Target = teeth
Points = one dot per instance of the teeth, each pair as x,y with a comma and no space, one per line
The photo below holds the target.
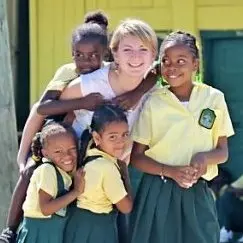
67,162
132,65
173,76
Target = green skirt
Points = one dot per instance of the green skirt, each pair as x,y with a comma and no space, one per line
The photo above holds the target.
166,213
86,227
49,230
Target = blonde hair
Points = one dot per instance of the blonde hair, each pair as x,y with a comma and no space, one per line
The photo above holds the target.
134,27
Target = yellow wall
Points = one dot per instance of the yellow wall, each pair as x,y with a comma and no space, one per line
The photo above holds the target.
52,21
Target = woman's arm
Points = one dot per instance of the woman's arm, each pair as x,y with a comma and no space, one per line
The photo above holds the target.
32,126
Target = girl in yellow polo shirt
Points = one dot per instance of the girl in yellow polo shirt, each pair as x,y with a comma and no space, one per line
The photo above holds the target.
180,138
48,195
106,180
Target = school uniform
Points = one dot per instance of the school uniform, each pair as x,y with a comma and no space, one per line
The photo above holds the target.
63,76
36,227
174,132
94,218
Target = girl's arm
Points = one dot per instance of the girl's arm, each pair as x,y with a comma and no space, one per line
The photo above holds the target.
32,126
49,205
183,175
131,98
71,99
126,204
216,156
115,189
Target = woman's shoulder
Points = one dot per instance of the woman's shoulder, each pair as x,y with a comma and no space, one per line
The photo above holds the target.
99,74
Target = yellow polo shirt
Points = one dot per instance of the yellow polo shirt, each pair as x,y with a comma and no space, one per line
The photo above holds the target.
63,76
103,184
45,178
172,131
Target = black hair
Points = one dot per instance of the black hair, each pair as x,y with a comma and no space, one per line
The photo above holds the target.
181,38
103,115
97,17
90,32
49,129
109,57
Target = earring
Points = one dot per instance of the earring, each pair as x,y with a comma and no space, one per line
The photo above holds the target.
116,66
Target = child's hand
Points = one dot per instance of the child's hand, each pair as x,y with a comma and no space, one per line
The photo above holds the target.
199,162
79,181
183,175
154,72
127,100
92,101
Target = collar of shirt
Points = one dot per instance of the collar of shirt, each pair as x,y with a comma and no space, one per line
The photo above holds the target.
95,151
45,160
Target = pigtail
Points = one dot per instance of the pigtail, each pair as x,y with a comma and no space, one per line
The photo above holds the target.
84,143
36,148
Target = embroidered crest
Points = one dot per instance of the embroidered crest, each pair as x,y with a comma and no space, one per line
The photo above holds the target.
207,118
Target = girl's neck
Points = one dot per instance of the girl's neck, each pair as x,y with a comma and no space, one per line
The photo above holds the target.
122,83
183,92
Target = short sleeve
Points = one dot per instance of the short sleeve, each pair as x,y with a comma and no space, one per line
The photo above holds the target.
142,129
63,76
47,180
113,184
225,127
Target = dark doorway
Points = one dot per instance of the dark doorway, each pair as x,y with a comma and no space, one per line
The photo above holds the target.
22,93
223,69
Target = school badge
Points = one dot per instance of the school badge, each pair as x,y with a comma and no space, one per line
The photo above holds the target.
207,118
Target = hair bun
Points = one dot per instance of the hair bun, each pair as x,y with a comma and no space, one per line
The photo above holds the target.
97,17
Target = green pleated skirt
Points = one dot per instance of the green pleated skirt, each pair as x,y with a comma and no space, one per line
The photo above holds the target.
86,227
49,230
166,213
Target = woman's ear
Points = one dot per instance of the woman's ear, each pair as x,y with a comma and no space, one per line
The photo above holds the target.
115,56
96,138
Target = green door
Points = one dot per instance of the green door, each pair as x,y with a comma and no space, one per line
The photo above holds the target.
223,67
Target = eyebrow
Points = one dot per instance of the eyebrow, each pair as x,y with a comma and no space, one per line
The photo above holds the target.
127,45
182,56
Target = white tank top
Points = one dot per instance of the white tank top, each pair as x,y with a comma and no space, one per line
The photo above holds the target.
98,82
